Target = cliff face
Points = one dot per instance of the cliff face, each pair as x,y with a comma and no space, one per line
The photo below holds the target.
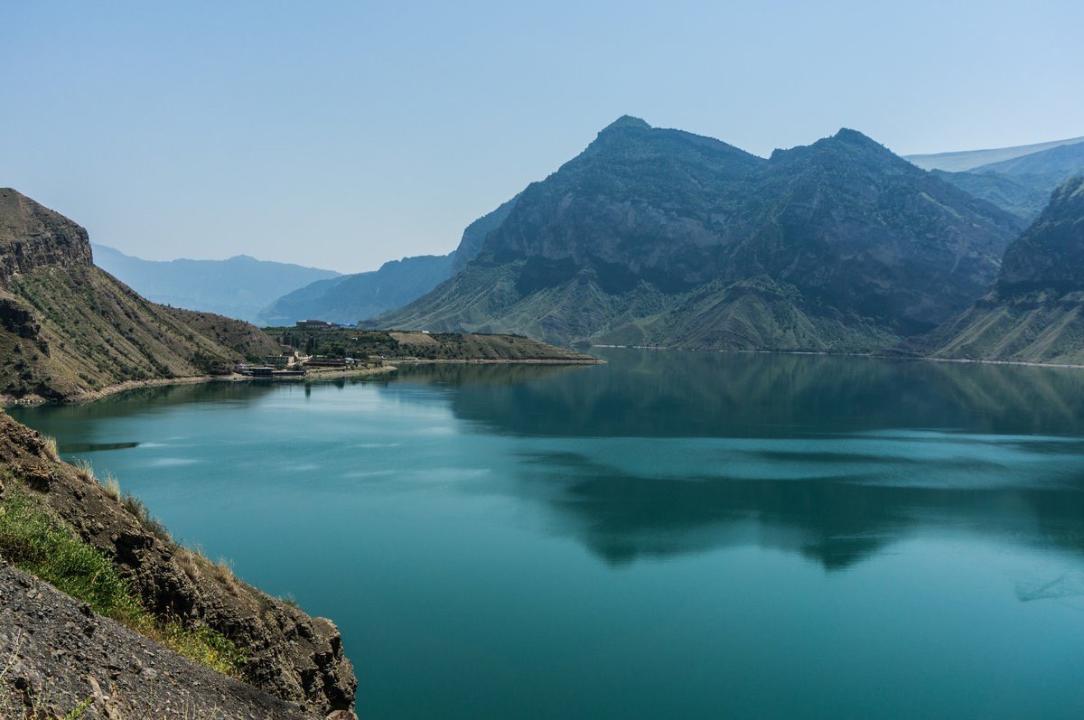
1035,312
663,237
32,236
67,328
290,655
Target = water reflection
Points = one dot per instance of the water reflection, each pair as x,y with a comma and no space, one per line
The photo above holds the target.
832,458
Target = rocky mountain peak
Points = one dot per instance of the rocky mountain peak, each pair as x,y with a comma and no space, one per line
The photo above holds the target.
626,122
32,236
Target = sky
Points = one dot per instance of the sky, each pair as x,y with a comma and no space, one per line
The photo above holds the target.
345,134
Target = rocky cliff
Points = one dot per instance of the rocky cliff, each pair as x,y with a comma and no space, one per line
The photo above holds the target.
654,236
288,655
68,329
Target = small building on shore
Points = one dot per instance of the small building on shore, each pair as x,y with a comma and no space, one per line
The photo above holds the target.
315,325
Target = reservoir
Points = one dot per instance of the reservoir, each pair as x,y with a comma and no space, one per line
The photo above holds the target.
668,535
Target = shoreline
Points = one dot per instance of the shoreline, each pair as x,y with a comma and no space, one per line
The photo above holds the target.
500,361
314,375
877,356
129,385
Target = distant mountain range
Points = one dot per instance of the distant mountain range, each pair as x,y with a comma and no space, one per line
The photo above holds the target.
68,328
662,237
1035,312
964,160
350,298
1017,179
240,287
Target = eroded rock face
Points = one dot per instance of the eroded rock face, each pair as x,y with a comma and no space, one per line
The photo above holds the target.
292,656
18,319
32,236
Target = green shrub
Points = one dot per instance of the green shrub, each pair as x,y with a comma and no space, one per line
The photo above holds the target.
42,545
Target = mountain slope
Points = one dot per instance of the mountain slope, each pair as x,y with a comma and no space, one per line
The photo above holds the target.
351,298
239,287
1035,313
68,328
655,236
964,160
1022,185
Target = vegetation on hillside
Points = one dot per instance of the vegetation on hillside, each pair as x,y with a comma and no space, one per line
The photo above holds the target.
36,541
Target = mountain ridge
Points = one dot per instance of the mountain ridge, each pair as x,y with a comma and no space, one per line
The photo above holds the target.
620,235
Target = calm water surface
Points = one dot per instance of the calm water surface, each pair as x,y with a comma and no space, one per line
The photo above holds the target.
669,535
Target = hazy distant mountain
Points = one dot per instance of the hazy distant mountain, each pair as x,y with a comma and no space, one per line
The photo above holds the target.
655,236
963,160
350,298
1022,185
239,287
1035,312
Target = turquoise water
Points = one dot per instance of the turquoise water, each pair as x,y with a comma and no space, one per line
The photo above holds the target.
669,535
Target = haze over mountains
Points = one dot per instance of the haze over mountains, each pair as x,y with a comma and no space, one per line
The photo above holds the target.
1019,180
239,287
662,237
350,298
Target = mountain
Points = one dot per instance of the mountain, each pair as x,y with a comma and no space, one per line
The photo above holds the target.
1021,183
662,237
239,287
963,160
68,328
350,298
1035,313
1021,198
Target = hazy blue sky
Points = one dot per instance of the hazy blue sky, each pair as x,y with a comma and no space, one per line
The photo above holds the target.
345,134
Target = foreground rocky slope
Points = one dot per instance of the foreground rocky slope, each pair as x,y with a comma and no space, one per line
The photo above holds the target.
662,237
288,654
68,329
45,635
1035,313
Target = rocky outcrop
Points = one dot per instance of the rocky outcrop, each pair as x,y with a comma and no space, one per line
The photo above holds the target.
291,655
33,236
